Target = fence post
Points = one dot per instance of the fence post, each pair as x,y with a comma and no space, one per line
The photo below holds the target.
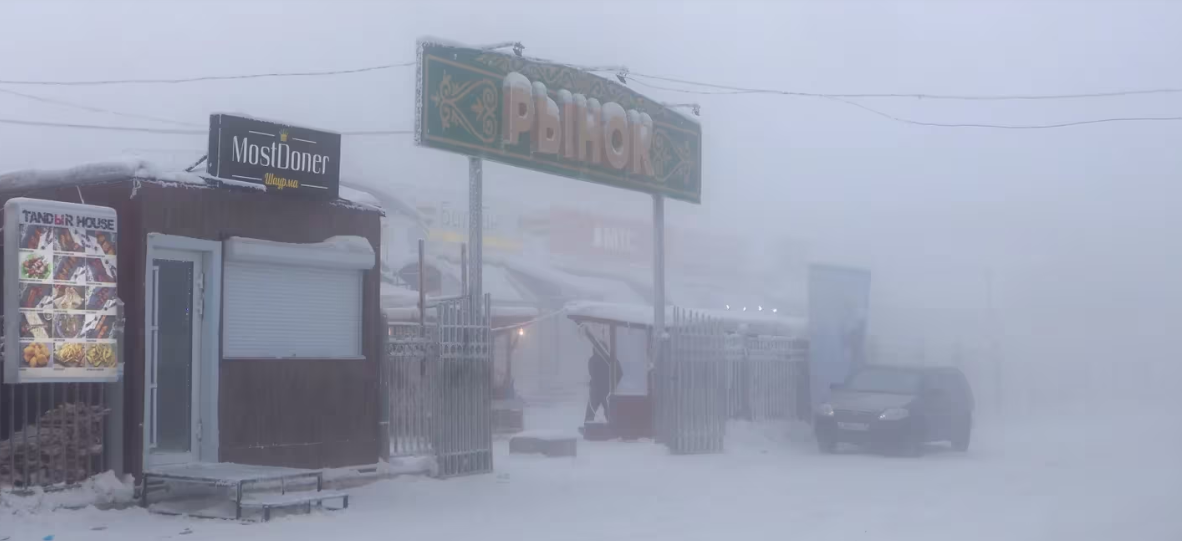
384,383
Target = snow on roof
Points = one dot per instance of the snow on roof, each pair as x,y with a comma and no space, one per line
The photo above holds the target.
394,296
133,167
435,40
359,197
576,287
231,182
639,279
410,312
642,315
380,196
495,280
88,173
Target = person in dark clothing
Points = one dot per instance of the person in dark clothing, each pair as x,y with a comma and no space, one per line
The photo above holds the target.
600,372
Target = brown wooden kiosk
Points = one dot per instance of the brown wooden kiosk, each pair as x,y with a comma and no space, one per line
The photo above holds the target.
252,329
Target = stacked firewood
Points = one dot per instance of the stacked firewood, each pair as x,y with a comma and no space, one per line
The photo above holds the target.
60,447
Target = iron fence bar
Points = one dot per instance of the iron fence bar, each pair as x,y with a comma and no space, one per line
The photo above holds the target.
11,436
25,434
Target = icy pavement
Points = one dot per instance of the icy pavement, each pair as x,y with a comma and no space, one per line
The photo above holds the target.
1075,479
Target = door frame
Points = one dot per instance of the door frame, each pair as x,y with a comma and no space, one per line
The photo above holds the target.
209,254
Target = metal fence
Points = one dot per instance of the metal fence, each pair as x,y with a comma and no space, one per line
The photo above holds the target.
438,385
404,374
769,378
706,376
691,385
51,433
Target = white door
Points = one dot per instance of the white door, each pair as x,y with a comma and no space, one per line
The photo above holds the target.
172,421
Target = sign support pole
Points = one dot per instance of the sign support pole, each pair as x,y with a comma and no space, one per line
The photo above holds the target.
658,336
475,230
658,269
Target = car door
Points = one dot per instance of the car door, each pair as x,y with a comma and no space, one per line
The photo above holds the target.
962,400
938,407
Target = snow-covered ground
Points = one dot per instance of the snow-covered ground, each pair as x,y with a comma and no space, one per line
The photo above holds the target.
1070,479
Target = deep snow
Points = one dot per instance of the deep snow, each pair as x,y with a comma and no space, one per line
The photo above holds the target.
1070,478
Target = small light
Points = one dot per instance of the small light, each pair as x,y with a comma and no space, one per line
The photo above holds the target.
520,332
744,308
760,308
728,307
774,310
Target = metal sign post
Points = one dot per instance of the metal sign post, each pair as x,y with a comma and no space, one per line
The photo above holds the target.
658,271
475,229
659,368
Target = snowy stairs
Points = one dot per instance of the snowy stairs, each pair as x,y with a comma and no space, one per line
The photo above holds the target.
225,490
267,502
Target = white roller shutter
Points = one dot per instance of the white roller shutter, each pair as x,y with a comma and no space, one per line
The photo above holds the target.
290,311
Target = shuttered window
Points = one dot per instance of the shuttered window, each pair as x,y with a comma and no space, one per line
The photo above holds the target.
290,311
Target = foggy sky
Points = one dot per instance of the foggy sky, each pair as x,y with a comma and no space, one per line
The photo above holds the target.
1076,226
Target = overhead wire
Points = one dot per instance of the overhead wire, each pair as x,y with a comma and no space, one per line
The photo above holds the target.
729,89
100,127
93,109
1067,124
623,74
843,98
168,131
726,89
209,77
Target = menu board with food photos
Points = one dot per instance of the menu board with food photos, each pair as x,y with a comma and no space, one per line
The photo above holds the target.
60,301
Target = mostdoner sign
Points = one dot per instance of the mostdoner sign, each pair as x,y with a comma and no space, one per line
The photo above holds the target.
554,119
284,159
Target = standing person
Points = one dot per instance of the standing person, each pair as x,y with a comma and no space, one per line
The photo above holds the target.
600,372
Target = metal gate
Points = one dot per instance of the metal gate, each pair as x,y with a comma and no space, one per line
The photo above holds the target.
705,376
439,389
769,378
407,418
691,378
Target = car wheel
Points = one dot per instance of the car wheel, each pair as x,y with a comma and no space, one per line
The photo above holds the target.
960,442
826,445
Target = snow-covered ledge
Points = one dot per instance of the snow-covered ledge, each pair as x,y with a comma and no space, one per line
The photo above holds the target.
341,252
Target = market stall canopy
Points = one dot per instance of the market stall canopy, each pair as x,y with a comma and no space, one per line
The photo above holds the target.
549,282
642,316
402,304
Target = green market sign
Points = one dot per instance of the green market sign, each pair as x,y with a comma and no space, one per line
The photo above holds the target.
554,119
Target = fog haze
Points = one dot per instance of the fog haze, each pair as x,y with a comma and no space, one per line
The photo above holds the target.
1072,229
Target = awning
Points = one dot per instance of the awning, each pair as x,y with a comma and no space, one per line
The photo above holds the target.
639,315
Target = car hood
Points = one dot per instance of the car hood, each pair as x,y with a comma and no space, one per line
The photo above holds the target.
871,402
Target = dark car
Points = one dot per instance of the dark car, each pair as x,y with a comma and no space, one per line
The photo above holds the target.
898,408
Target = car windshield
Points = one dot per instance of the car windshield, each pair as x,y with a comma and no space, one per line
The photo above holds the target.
884,381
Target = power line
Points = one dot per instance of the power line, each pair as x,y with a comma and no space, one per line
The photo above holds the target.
167,131
1009,126
99,127
625,73
728,89
93,109
841,98
209,77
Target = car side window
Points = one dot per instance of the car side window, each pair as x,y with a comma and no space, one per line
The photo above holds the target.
933,386
953,385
